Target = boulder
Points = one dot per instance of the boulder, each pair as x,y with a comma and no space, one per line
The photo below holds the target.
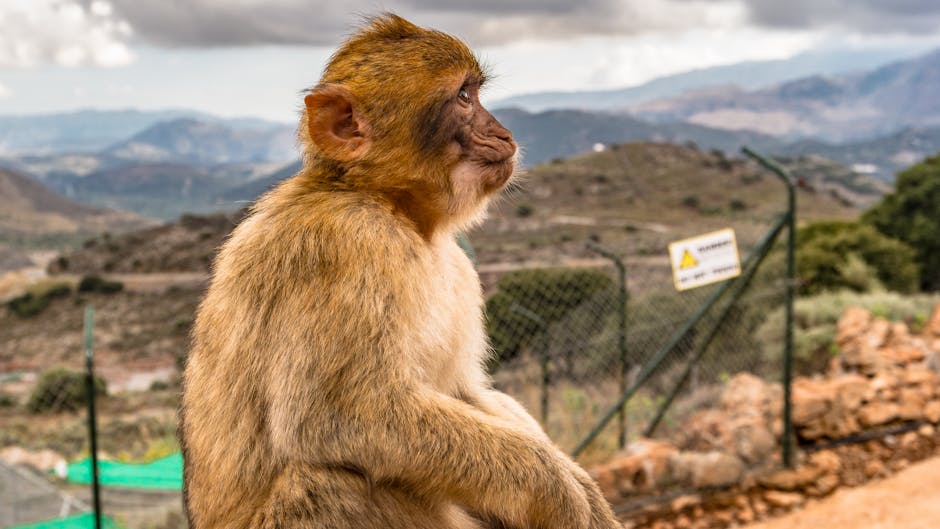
711,469
878,413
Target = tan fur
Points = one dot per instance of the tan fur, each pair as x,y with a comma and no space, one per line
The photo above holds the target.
336,376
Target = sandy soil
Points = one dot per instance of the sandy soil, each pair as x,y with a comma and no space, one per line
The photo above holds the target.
907,500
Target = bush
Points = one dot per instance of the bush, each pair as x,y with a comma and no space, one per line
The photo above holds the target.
7,400
99,284
526,302
912,214
35,301
815,318
849,255
61,389
524,210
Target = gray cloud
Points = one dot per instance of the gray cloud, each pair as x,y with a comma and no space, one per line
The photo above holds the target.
868,16
324,22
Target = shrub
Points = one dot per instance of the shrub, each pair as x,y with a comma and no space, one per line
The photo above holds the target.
850,255
524,210
526,302
35,301
737,204
7,400
100,285
912,214
815,318
61,389
690,201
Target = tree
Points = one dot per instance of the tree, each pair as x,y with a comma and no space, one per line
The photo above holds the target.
912,214
849,255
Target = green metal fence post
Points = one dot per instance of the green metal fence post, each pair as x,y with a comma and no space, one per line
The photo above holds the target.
92,428
791,285
621,332
660,356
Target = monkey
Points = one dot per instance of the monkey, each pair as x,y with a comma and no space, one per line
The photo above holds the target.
336,373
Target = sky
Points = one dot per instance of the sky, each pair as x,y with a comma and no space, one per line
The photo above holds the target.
254,57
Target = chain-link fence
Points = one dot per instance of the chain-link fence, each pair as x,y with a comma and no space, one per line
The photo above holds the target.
600,354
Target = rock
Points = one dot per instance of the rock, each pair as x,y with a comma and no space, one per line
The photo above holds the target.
745,394
42,460
927,430
643,467
932,328
911,402
826,461
853,323
810,400
850,390
784,500
752,439
706,470
824,485
932,411
794,479
917,374
684,502
878,413
874,468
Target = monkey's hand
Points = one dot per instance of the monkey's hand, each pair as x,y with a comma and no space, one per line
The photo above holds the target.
502,405
446,448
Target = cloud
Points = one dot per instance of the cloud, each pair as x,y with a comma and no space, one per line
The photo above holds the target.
865,16
5,92
482,22
64,32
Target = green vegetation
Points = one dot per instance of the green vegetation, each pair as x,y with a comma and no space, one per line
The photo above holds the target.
37,299
912,214
815,319
93,283
60,389
528,301
849,255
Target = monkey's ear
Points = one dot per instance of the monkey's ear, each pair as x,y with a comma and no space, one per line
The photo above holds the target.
335,124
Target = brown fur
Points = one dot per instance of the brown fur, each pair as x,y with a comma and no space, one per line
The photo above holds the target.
336,376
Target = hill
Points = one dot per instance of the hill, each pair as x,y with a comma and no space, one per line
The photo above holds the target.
835,109
186,245
635,197
32,213
556,134
206,142
881,157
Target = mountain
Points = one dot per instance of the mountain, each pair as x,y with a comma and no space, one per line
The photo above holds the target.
94,130
556,134
746,75
251,190
206,142
163,190
880,157
834,109
32,213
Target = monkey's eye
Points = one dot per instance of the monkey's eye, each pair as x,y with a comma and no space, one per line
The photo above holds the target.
464,96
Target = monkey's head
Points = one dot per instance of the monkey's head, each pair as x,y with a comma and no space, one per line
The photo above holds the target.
397,112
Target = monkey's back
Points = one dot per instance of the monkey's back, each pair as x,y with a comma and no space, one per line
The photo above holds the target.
265,337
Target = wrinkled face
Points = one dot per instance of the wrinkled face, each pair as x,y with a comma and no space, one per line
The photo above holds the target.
485,145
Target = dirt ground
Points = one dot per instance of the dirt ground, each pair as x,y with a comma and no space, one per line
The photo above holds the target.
909,499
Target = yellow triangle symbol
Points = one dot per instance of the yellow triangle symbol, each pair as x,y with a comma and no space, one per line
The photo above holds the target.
687,261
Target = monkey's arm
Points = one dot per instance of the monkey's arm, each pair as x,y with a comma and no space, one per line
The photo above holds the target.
502,405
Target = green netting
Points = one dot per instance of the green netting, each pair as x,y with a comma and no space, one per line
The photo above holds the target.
81,521
165,473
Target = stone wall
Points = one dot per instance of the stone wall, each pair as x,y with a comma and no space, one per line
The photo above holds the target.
871,413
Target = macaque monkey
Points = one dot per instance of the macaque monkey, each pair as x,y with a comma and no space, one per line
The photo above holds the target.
336,375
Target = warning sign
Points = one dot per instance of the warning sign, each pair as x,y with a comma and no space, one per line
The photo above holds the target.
705,259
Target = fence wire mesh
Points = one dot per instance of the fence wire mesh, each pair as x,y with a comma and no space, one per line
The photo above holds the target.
557,345
567,342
